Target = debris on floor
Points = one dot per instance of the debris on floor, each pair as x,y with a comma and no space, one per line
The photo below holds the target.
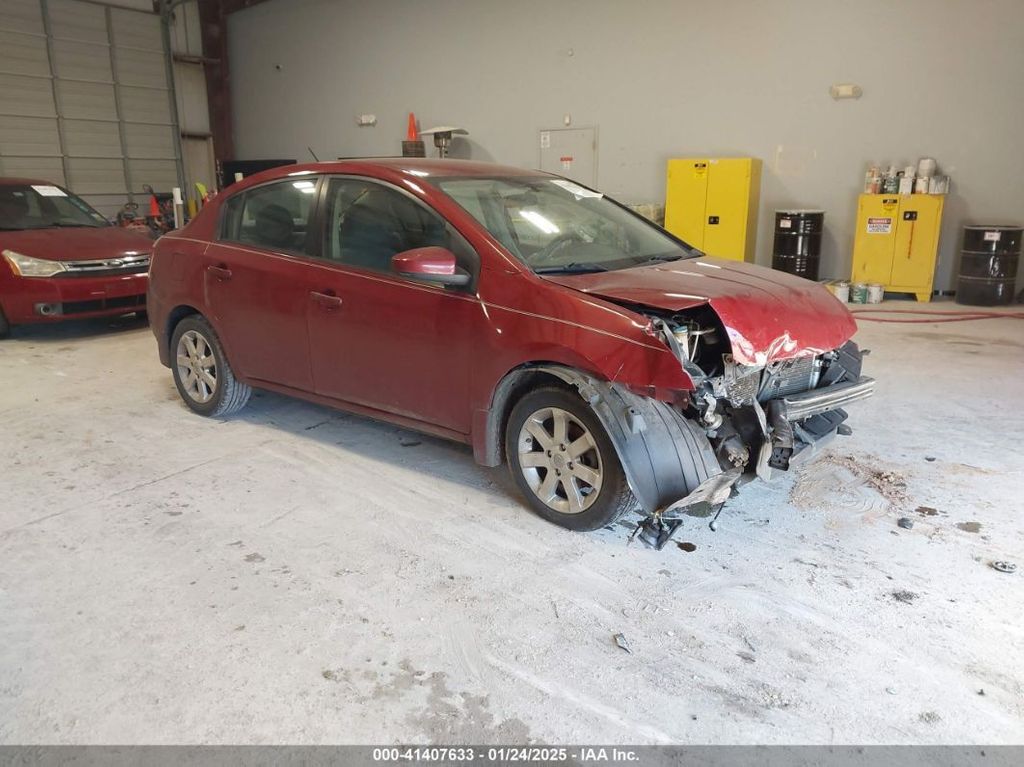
927,511
655,533
904,596
838,480
969,527
620,640
688,547
905,522
1004,567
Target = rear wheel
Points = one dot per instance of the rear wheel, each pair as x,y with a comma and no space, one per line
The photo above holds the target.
564,462
201,370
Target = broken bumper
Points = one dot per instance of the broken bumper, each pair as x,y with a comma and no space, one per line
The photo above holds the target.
797,407
799,425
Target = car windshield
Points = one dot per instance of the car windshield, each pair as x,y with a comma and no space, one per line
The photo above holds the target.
554,225
44,206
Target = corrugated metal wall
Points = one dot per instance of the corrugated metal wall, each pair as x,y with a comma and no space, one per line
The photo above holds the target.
85,99
193,107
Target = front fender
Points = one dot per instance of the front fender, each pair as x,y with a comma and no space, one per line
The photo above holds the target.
665,456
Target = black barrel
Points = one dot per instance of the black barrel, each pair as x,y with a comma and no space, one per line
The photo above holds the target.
797,247
988,265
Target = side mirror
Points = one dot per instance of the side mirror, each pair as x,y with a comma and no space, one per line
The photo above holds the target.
433,265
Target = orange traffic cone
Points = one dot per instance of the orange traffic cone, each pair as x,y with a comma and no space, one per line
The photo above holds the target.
412,146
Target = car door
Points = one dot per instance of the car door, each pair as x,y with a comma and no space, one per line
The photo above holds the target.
256,281
378,339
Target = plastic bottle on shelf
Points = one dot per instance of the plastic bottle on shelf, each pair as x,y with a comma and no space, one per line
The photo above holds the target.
873,180
926,167
891,183
869,179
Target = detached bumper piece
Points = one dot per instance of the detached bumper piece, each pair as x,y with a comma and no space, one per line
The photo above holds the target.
657,530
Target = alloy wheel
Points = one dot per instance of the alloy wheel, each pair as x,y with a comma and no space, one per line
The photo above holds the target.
560,460
197,366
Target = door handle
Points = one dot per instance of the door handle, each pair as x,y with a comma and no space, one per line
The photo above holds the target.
220,272
326,300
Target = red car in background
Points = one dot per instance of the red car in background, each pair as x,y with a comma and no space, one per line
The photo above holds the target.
612,365
61,259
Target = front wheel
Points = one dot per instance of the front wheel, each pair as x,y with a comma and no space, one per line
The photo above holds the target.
201,370
564,462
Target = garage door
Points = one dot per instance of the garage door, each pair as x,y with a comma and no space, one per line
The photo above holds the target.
85,99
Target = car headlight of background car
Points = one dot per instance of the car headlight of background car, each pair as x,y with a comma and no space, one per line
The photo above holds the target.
26,266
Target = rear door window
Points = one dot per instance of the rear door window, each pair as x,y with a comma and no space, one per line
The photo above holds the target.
272,216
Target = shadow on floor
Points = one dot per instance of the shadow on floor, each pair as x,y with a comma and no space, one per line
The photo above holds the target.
369,438
76,330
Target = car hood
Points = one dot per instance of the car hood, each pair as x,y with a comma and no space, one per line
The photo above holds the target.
769,315
76,243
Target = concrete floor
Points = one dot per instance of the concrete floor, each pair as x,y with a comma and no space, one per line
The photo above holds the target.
299,575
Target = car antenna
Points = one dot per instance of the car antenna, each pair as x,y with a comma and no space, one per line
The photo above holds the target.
315,158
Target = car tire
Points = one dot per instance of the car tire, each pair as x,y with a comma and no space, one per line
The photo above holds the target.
551,430
201,371
5,326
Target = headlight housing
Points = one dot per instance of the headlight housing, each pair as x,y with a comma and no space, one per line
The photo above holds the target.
26,266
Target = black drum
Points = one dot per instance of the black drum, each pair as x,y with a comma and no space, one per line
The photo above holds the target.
988,265
797,246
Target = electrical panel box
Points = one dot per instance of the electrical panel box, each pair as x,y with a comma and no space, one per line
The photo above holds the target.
897,241
712,204
570,152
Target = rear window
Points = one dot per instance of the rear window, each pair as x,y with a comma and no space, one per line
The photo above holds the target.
273,216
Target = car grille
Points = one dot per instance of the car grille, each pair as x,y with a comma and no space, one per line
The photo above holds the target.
105,267
127,303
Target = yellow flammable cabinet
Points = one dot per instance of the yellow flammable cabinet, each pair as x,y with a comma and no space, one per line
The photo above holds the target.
712,204
897,241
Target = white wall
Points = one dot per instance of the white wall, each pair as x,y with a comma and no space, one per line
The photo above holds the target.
660,78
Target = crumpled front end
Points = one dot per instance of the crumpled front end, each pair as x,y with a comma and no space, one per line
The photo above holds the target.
770,356
761,417
757,418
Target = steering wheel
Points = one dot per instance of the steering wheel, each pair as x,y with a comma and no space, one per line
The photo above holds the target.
546,254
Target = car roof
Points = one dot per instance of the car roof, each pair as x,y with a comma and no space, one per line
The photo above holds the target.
8,180
413,165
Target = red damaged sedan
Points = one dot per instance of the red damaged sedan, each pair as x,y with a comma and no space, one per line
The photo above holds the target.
62,260
614,367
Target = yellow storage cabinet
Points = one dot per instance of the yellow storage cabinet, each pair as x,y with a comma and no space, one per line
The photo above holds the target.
897,242
712,204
